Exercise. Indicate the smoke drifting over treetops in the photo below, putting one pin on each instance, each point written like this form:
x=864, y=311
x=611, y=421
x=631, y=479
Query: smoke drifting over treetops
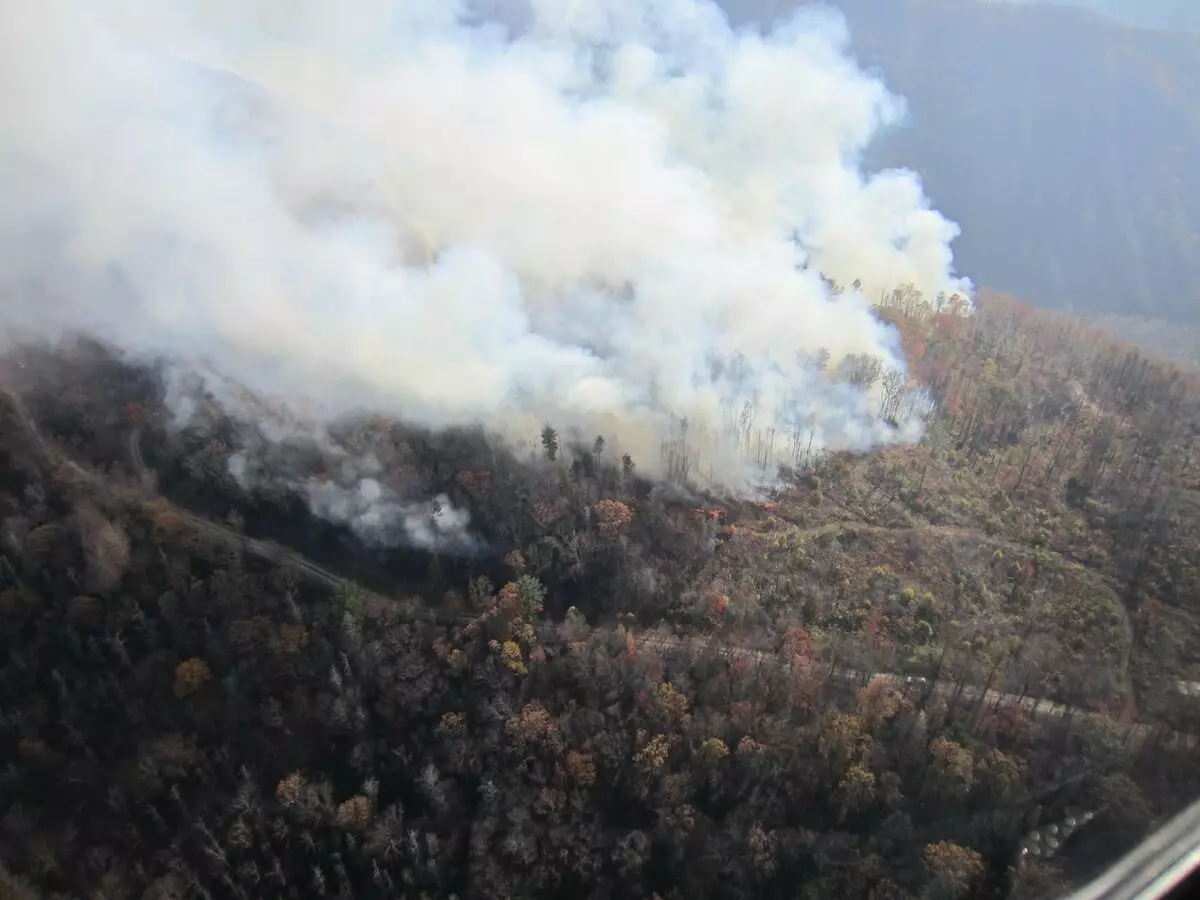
x=356, y=490
x=587, y=212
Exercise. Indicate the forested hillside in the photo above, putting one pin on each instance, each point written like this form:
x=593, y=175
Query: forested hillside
x=944, y=670
x=1180, y=15
x=1174, y=341
x=1061, y=141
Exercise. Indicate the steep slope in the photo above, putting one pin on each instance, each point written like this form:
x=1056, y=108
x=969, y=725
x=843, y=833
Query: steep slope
x=1061, y=141
x=206, y=689
x=1182, y=15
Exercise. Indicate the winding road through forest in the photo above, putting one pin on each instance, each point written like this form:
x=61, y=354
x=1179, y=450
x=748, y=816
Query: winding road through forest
x=665, y=645
x=662, y=644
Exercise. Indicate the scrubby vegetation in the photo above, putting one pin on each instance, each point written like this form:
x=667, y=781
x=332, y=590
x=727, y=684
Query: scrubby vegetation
x=876, y=683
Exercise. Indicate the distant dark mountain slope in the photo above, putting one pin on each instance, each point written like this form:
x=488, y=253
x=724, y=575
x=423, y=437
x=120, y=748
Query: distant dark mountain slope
x=1183, y=15
x=1064, y=143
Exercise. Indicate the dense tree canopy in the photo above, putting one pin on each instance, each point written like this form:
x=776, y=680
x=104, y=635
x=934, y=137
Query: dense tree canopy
x=946, y=669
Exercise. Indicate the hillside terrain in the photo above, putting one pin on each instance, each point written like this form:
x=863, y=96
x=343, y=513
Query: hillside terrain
x=1178, y=15
x=1172, y=341
x=1061, y=141
x=940, y=670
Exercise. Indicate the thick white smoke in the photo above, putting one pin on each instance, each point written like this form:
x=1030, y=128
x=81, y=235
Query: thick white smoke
x=355, y=492
x=588, y=212
x=377, y=516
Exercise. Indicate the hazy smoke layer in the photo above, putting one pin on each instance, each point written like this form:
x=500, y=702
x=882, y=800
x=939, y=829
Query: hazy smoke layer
x=377, y=517
x=594, y=214
x=354, y=493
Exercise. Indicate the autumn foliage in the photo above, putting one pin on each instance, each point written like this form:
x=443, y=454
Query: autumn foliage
x=902, y=662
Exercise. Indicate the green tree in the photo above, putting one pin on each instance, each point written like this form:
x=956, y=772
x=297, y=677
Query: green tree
x=550, y=443
x=531, y=596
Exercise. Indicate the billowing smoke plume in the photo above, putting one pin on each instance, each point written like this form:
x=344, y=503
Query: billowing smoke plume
x=354, y=491
x=596, y=213
x=377, y=517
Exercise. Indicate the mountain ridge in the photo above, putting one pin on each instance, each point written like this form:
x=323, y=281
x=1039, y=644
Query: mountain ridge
x=1057, y=139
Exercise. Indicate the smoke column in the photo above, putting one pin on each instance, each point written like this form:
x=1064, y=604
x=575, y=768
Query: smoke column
x=594, y=213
